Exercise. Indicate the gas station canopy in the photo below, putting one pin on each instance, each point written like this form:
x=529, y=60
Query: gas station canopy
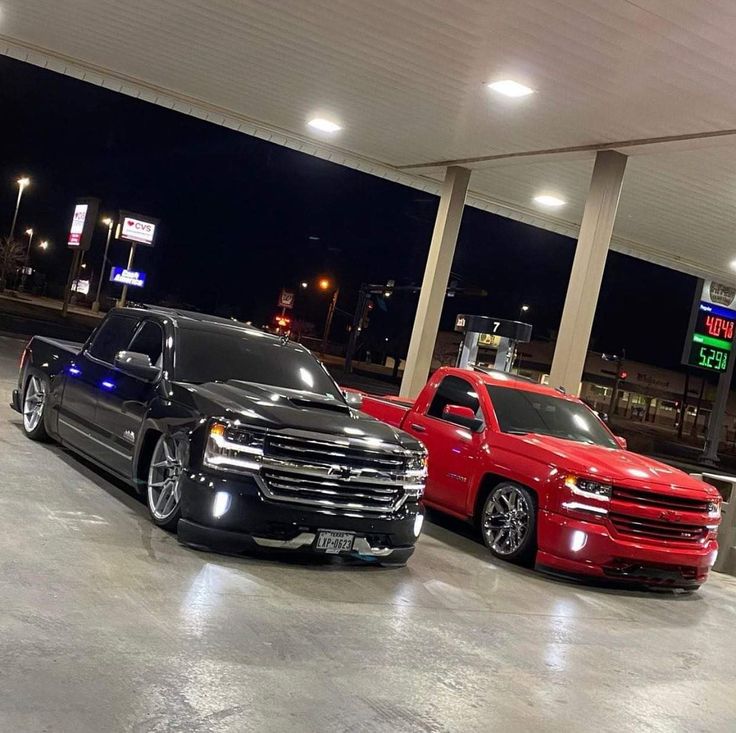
x=406, y=81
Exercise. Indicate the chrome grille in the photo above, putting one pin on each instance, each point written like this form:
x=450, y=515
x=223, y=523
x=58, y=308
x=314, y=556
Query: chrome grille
x=296, y=448
x=344, y=474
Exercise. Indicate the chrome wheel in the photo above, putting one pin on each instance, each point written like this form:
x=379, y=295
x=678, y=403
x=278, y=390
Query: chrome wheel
x=164, y=477
x=34, y=404
x=507, y=518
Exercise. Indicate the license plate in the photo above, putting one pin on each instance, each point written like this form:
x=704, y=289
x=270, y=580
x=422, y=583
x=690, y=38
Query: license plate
x=334, y=542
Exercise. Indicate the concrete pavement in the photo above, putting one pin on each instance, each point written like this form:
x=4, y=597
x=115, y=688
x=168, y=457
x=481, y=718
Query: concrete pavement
x=108, y=624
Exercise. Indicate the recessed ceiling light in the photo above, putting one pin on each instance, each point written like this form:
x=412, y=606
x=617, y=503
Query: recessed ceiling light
x=323, y=125
x=732, y=264
x=510, y=88
x=547, y=200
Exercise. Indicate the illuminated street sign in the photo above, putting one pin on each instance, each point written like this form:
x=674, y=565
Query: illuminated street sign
x=133, y=278
x=286, y=299
x=712, y=328
x=83, y=224
x=81, y=287
x=137, y=228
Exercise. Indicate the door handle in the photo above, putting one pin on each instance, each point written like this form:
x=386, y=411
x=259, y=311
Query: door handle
x=418, y=428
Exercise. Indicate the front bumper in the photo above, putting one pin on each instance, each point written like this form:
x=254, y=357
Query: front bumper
x=577, y=547
x=253, y=522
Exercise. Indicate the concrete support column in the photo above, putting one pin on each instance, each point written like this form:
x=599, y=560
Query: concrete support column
x=436, y=278
x=587, y=270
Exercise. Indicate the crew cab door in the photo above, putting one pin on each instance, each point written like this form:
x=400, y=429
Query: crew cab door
x=123, y=399
x=453, y=449
x=78, y=411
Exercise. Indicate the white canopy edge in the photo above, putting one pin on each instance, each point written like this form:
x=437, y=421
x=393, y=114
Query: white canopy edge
x=198, y=108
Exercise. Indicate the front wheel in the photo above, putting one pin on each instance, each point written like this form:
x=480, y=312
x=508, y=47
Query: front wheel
x=165, y=474
x=35, y=399
x=509, y=523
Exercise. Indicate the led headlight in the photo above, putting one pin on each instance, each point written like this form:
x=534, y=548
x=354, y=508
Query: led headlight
x=589, y=488
x=232, y=448
x=416, y=475
x=714, y=509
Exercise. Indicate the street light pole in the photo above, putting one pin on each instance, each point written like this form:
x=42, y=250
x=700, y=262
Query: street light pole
x=328, y=321
x=22, y=183
x=124, y=295
x=29, y=232
x=96, y=304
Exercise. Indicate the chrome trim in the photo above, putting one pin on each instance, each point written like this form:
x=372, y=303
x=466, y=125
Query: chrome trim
x=362, y=546
x=301, y=540
x=328, y=503
x=95, y=440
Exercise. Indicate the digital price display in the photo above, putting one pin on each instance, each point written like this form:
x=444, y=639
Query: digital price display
x=712, y=337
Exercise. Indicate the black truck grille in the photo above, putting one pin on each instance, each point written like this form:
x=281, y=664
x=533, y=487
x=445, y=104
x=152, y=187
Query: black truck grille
x=345, y=475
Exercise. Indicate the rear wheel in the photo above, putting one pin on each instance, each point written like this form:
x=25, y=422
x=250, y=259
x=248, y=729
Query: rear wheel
x=509, y=523
x=165, y=475
x=35, y=399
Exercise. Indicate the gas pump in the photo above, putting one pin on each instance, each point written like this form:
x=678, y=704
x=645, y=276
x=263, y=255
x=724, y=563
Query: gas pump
x=504, y=334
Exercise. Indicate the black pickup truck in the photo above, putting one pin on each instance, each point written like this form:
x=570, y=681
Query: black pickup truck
x=238, y=439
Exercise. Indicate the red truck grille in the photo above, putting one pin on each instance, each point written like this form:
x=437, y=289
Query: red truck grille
x=661, y=501
x=652, y=529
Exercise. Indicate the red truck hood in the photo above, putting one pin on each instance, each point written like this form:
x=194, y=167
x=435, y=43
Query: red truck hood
x=612, y=464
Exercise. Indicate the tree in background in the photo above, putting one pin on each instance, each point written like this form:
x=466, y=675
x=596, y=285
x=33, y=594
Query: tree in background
x=12, y=256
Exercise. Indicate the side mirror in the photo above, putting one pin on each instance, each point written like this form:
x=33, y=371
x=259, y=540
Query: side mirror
x=354, y=399
x=136, y=365
x=623, y=443
x=462, y=416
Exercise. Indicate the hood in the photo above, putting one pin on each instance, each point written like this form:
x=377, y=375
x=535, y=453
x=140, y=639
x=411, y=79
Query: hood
x=277, y=408
x=612, y=465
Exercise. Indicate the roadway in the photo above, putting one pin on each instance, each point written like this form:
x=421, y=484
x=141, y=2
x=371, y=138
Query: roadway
x=107, y=623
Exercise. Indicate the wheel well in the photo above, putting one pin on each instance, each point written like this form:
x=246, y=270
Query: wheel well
x=487, y=484
x=144, y=458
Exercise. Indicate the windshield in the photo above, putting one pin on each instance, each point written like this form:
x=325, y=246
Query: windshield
x=520, y=412
x=221, y=354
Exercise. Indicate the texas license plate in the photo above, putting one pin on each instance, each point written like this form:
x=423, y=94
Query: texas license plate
x=334, y=542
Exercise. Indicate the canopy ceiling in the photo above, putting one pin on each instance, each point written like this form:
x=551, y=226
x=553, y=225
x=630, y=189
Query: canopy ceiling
x=406, y=80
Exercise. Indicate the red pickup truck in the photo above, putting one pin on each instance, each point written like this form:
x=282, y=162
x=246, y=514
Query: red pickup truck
x=548, y=483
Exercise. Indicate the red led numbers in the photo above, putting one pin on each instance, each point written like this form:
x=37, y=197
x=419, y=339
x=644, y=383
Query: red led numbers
x=721, y=328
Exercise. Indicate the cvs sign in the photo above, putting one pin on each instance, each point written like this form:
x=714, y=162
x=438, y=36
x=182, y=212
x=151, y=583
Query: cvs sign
x=137, y=228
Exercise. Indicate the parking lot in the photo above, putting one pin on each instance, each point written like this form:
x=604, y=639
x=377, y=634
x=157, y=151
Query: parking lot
x=107, y=623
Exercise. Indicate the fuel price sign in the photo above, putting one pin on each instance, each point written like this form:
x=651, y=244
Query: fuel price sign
x=711, y=335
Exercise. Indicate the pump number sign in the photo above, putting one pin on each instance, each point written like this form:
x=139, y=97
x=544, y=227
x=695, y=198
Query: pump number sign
x=713, y=326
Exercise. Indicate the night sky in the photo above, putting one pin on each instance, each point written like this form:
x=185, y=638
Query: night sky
x=241, y=217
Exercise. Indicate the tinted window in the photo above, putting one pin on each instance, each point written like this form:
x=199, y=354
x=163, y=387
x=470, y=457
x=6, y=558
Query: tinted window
x=220, y=354
x=149, y=340
x=114, y=335
x=519, y=411
x=454, y=391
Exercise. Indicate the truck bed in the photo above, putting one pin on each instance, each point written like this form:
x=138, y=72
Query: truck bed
x=388, y=409
x=73, y=347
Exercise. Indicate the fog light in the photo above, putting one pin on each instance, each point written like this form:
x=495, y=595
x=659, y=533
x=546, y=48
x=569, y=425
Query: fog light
x=418, y=522
x=578, y=541
x=221, y=504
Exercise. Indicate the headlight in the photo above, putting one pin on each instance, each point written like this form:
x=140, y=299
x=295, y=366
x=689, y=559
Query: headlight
x=416, y=475
x=234, y=449
x=589, y=488
x=714, y=509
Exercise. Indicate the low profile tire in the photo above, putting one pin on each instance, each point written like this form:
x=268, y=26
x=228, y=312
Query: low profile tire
x=165, y=474
x=35, y=400
x=508, y=523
